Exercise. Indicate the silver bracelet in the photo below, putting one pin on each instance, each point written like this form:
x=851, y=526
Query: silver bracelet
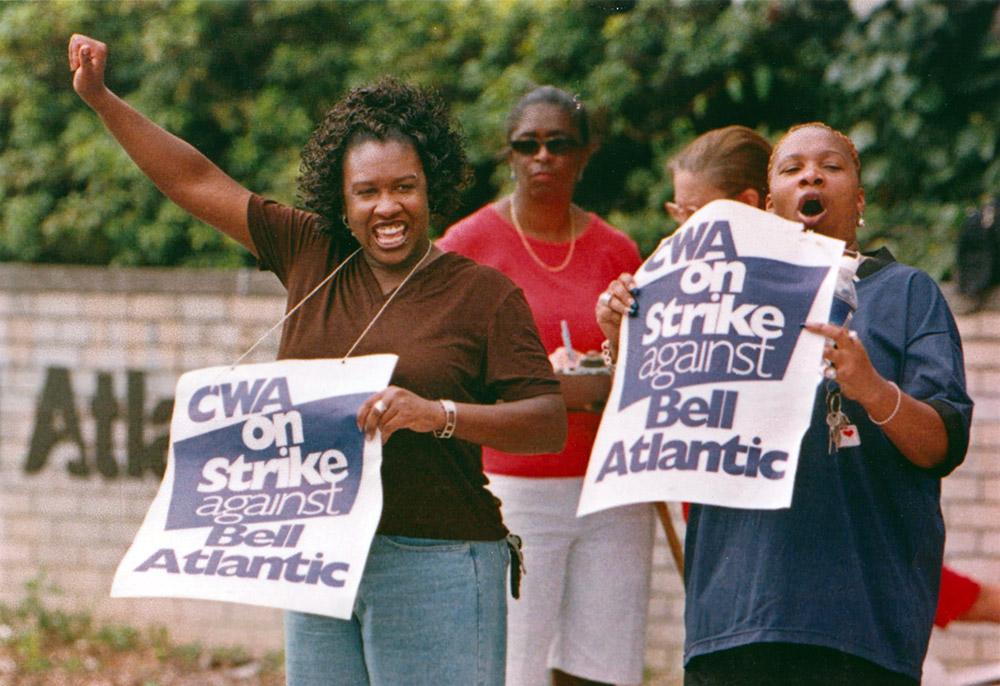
x=450, y=417
x=899, y=401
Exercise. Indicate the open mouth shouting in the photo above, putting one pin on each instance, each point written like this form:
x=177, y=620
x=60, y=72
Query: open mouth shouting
x=390, y=235
x=811, y=209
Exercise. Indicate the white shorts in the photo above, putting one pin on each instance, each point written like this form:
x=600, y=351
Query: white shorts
x=585, y=595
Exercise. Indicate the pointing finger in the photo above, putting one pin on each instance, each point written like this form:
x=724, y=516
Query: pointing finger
x=828, y=330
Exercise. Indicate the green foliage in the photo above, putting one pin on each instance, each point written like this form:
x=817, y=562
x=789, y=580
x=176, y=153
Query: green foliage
x=916, y=83
x=45, y=639
x=63, y=625
x=187, y=653
x=33, y=626
x=118, y=637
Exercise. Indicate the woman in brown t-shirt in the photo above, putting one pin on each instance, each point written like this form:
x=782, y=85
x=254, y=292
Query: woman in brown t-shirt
x=384, y=162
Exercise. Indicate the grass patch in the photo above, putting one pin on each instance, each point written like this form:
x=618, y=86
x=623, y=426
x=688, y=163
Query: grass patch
x=42, y=644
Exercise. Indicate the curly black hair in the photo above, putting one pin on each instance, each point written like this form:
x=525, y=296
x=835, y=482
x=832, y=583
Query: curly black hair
x=385, y=110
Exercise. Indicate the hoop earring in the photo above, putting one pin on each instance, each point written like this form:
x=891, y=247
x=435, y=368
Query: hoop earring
x=343, y=218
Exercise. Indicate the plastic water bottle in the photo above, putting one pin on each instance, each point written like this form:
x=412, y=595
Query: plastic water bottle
x=845, y=296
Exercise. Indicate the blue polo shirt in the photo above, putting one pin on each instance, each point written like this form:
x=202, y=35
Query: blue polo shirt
x=854, y=564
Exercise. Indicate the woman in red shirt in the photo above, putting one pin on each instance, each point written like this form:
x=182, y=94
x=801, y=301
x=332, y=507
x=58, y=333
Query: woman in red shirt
x=582, y=613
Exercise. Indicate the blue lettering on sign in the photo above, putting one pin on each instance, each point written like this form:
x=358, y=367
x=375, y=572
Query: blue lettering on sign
x=655, y=451
x=719, y=321
x=295, y=568
x=262, y=395
x=666, y=409
x=705, y=241
x=304, y=461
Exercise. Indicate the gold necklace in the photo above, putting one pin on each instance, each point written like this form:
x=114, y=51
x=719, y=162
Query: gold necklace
x=527, y=246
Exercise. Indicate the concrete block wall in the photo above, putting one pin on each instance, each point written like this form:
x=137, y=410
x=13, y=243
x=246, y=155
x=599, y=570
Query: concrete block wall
x=971, y=495
x=88, y=362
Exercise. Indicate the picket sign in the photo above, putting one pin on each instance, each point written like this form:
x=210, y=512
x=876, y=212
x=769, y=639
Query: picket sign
x=271, y=494
x=716, y=378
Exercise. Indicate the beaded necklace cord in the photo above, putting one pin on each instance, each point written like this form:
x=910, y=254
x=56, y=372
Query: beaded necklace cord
x=371, y=323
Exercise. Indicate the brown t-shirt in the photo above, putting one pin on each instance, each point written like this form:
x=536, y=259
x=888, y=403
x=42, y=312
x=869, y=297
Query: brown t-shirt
x=461, y=330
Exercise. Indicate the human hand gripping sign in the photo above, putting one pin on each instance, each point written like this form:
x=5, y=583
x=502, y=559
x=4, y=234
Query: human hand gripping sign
x=851, y=367
x=617, y=301
x=396, y=408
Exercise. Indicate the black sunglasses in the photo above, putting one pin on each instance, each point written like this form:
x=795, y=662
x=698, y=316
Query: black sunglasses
x=555, y=146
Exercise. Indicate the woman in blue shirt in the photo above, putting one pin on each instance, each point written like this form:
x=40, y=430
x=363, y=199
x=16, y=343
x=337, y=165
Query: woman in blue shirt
x=841, y=587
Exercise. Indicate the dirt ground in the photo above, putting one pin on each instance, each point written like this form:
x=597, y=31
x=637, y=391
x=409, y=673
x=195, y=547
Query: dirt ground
x=83, y=666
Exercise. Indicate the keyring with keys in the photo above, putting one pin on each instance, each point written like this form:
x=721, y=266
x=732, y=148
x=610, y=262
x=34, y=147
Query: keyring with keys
x=842, y=433
x=836, y=420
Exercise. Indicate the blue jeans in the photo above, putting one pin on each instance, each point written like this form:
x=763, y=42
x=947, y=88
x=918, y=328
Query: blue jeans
x=427, y=612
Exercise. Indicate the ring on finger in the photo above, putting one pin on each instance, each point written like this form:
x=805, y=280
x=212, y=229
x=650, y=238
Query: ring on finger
x=830, y=372
x=379, y=406
x=605, y=298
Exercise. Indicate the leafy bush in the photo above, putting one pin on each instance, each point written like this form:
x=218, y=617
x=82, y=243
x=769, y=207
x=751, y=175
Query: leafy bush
x=915, y=83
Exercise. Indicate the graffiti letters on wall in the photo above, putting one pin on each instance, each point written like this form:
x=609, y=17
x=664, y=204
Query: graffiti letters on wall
x=59, y=424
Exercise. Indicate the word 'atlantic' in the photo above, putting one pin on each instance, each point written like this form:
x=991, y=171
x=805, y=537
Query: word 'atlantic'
x=651, y=452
